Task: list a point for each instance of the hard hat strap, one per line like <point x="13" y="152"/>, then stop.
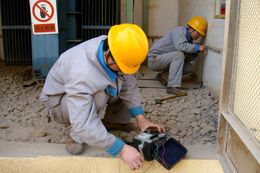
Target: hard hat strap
<point x="191" y="28"/>
<point x="192" y="31"/>
<point x="121" y="77"/>
<point x="113" y="62"/>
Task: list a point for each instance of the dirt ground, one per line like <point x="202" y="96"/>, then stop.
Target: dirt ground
<point x="191" y="119"/>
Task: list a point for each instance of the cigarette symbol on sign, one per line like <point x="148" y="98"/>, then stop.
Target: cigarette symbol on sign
<point x="43" y="15"/>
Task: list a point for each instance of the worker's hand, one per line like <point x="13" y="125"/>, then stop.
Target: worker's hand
<point x="202" y="48"/>
<point x="199" y="53"/>
<point x="132" y="157"/>
<point x="146" y="124"/>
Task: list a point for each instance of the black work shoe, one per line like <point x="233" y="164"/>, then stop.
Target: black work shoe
<point x="161" y="79"/>
<point x="73" y="147"/>
<point x="175" y="91"/>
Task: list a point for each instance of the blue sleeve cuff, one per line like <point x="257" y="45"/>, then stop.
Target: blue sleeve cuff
<point x="197" y="48"/>
<point x="116" y="147"/>
<point x="136" y="111"/>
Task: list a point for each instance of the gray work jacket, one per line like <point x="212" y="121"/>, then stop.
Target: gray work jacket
<point x="176" y="40"/>
<point x="78" y="73"/>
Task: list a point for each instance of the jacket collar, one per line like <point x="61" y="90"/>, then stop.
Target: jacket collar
<point x="111" y="74"/>
<point x="188" y="36"/>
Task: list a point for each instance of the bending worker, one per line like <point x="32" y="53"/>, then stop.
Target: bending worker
<point x="173" y="53"/>
<point x="91" y="75"/>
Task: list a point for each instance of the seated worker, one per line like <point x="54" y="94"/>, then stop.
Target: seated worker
<point x="173" y="53"/>
<point x="91" y="75"/>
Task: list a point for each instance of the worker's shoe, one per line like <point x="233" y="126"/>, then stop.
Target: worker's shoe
<point x="73" y="147"/>
<point x="115" y="126"/>
<point x="175" y="91"/>
<point x="161" y="79"/>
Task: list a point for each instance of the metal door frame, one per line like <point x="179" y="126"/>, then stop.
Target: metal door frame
<point x="227" y="120"/>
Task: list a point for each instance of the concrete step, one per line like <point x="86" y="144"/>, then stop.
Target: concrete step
<point x="48" y="157"/>
<point x="147" y="79"/>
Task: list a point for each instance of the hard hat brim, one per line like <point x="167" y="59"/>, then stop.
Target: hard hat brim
<point x="127" y="70"/>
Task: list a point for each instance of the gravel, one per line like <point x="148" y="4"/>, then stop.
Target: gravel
<point x="190" y="119"/>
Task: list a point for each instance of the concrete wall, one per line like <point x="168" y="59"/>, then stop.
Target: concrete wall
<point x="162" y="16"/>
<point x="165" y="15"/>
<point x="212" y="64"/>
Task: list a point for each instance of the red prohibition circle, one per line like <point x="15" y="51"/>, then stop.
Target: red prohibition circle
<point x="36" y="5"/>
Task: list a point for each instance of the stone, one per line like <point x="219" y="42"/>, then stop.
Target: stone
<point x="40" y="133"/>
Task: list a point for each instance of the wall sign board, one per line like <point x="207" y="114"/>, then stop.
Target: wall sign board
<point x="44" y="17"/>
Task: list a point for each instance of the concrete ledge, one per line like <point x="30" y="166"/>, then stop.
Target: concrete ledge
<point x="48" y="157"/>
<point x="50" y="164"/>
<point x="32" y="150"/>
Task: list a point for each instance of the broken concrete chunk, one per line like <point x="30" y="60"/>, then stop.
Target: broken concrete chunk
<point x="171" y="122"/>
<point x="4" y="126"/>
<point x="40" y="133"/>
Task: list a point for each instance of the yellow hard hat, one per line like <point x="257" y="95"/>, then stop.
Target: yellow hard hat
<point x="199" y="24"/>
<point x="129" y="46"/>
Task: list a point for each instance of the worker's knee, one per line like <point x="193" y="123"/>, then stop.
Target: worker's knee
<point x="180" y="55"/>
<point x="60" y="113"/>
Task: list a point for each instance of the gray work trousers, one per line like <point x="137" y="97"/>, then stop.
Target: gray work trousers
<point x="173" y="62"/>
<point x="115" y="113"/>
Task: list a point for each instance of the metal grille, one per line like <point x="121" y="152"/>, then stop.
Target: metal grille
<point x="16" y="32"/>
<point x="245" y="97"/>
<point x="98" y="16"/>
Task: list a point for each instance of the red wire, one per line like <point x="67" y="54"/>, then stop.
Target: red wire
<point x="163" y="154"/>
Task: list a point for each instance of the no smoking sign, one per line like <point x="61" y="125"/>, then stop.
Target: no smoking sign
<point x="44" y="16"/>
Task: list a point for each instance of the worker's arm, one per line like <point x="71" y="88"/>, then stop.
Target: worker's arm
<point x="131" y="97"/>
<point x="193" y="56"/>
<point x="129" y="154"/>
<point x="84" y="119"/>
<point x="201" y="50"/>
<point x="181" y="42"/>
<point x="146" y="124"/>
<point x="132" y="157"/>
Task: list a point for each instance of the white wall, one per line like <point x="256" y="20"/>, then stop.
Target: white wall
<point x="162" y="16"/>
<point x="212" y="65"/>
<point x="165" y="15"/>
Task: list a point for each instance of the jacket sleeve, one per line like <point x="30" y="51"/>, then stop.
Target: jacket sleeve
<point x="181" y="43"/>
<point x="83" y="115"/>
<point x="131" y="96"/>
